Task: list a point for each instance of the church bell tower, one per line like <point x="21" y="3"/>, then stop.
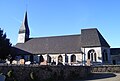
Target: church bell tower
<point x="24" y="31"/>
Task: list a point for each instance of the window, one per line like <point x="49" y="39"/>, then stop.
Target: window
<point x="60" y="59"/>
<point x="114" y="62"/>
<point x="41" y="58"/>
<point x="92" y="55"/>
<point x="73" y="58"/>
<point x="105" y="55"/>
<point x="95" y="56"/>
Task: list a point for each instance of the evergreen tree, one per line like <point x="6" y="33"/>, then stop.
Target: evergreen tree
<point x="5" y="45"/>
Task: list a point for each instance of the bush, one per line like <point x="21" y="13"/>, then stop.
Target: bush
<point x="10" y="76"/>
<point x="33" y="76"/>
<point x="10" y="73"/>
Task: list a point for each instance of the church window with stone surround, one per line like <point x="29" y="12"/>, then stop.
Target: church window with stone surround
<point x="95" y="57"/>
<point x="41" y="58"/>
<point x="92" y="55"/>
<point x="73" y="58"/>
<point x="60" y="59"/>
<point x="105" y="55"/>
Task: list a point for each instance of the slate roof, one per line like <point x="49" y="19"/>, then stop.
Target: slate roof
<point x="63" y="44"/>
<point x="92" y="38"/>
<point x="56" y="44"/>
<point x="115" y="51"/>
<point x="24" y="27"/>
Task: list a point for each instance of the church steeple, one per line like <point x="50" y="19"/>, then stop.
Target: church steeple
<point x="24" y="31"/>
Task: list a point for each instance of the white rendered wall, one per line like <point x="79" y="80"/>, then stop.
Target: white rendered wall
<point x="55" y="57"/>
<point x="79" y="56"/>
<point x="97" y="50"/>
<point x="21" y="38"/>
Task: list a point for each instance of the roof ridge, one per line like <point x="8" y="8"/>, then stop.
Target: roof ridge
<point x="56" y="36"/>
<point x="98" y="33"/>
<point x="100" y="36"/>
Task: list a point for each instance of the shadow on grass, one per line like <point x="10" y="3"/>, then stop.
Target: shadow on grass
<point x="95" y="76"/>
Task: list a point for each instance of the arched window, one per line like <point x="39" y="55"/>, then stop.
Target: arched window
<point x="95" y="57"/>
<point x="60" y="59"/>
<point x="73" y="58"/>
<point x="48" y="59"/>
<point x="105" y="55"/>
<point x="41" y="58"/>
<point x="92" y="55"/>
<point x="114" y="62"/>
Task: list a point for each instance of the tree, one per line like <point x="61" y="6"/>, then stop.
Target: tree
<point x="5" y="45"/>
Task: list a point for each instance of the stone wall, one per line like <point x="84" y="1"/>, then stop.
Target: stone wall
<point x="47" y="73"/>
<point x="106" y="68"/>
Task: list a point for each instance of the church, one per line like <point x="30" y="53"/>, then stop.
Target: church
<point x="87" y="48"/>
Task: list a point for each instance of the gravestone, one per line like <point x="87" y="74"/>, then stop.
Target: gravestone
<point x="2" y="77"/>
<point x="22" y="61"/>
<point x="88" y="62"/>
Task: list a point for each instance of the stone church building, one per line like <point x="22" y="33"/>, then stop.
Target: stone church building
<point x="87" y="48"/>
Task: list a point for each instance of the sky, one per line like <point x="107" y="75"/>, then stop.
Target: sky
<point x="62" y="17"/>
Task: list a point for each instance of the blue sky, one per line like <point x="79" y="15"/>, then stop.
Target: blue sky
<point x="62" y="17"/>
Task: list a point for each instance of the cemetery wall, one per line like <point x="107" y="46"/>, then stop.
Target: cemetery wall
<point x="41" y="73"/>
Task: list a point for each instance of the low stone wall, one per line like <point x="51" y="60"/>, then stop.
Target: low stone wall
<point x="47" y="73"/>
<point x="106" y="68"/>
